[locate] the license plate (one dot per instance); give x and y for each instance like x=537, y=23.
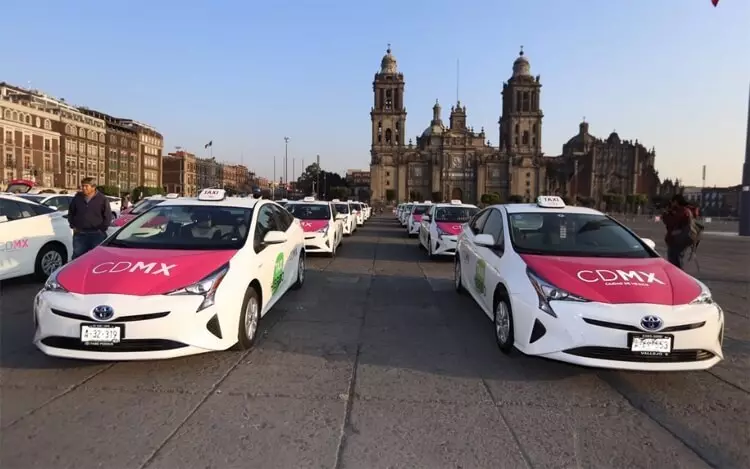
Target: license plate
x=651, y=344
x=101, y=334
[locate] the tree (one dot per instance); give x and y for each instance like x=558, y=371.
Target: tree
x=109, y=190
x=339, y=192
x=490, y=199
x=390, y=195
x=437, y=197
x=315, y=180
x=515, y=199
x=142, y=191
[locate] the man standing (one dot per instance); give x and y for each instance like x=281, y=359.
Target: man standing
x=680, y=225
x=89, y=215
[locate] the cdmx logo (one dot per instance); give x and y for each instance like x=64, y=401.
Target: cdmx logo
x=103, y=313
x=651, y=323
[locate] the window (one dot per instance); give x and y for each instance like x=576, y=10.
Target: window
x=388, y=136
x=342, y=208
x=494, y=227
x=47, y=124
x=27, y=141
x=420, y=209
x=284, y=218
x=10, y=209
x=309, y=211
x=454, y=214
x=477, y=223
x=47, y=145
x=574, y=234
x=525, y=137
x=266, y=222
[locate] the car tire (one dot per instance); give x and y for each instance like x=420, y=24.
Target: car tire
x=503, y=324
x=50, y=258
x=335, y=246
x=301, y=265
x=457, y=276
x=247, y=329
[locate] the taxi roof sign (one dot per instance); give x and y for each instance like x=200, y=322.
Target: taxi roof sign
x=308, y=199
x=456, y=202
x=212, y=194
x=173, y=195
x=336, y=200
x=550, y=201
x=427, y=202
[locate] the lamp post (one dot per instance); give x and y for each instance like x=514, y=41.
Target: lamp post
x=286, y=159
x=745, y=187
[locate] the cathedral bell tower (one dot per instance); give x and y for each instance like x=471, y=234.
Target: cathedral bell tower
x=388, y=119
x=521, y=122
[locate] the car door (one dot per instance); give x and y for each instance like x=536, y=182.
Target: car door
x=491, y=258
x=22, y=236
x=289, y=249
x=472, y=268
x=270, y=272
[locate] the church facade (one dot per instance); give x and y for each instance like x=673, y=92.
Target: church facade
x=454, y=161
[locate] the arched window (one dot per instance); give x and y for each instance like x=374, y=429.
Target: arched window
x=15, y=116
x=533, y=129
x=47, y=124
x=518, y=129
x=525, y=137
x=28, y=119
x=7, y=114
x=387, y=135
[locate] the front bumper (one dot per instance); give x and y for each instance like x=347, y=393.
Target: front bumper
x=599, y=335
x=318, y=242
x=413, y=229
x=444, y=245
x=153, y=327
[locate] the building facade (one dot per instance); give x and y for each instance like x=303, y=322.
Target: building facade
x=591, y=168
x=208, y=172
x=180, y=173
x=454, y=161
x=30, y=146
x=122, y=166
x=150, y=151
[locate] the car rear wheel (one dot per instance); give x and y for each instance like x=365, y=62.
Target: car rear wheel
x=249, y=320
x=457, y=276
x=300, y=272
x=503, y=322
x=50, y=258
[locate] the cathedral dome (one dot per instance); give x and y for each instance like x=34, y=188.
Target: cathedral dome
x=521, y=66
x=388, y=64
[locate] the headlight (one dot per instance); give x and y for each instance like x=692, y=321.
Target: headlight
x=440, y=232
x=547, y=292
x=704, y=298
x=323, y=230
x=52, y=284
x=206, y=287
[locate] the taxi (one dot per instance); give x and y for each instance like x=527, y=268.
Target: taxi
x=142, y=206
x=357, y=211
x=323, y=227
x=199, y=281
x=367, y=211
x=34, y=239
x=440, y=226
x=347, y=216
x=404, y=213
x=573, y=284
x=414, y=218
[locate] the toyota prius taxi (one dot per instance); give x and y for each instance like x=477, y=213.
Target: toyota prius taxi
x=572, y=284
x=199, y=281
x=440, y=226
x=324, y=230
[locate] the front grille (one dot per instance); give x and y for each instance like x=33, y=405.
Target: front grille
x=628, y=327
x=126, y=345
x=625, y=355
x=134, y=318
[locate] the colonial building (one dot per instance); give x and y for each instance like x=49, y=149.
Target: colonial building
x=454, y=161
x=122, y=164
x=590, y=168
x=180, y=173
x=209, y=172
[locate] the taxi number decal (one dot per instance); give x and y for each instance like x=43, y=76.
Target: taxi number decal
x=278, y=273
x=479, y=276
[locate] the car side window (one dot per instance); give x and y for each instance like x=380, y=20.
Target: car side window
x=10, y=209
x=26, y=210
x=334, y=213
x=494, y=226
x=284, y=218
x=41, y=209
x=477, y=223
x=62, y=203
x=265, y=222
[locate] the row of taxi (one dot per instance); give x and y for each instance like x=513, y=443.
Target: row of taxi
x=186, y=275
x=573, y=284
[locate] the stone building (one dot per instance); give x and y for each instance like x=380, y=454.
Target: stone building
x=590, y=168
x=180, y=175
x=455, y=161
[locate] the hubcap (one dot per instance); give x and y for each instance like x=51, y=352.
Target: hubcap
x=502, y=322
x=251, y=317
x=51, y=261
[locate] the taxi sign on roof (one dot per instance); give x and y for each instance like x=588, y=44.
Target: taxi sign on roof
x=173, y=195
x=456, y=202
x=427, y=202
x=550, y=201
x=336, y=200
x=212, y=194
x=308, y=199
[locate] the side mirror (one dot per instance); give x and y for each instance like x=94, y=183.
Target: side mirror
x=53, y=207
x=485, y=240
x=3, y=219
x=340, y=216
x=275, y=237
x=65, y=216
x=649, y=242
x=425, y=218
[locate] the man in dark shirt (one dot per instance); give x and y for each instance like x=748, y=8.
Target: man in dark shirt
x=677, y=219
x=89, y=215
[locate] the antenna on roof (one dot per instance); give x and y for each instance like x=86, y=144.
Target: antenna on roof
x=458, y=78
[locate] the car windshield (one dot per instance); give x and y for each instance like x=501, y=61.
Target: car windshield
x=455, y=214
x=33, y=198
x=408, y=208
x=197, y=227
x=573, y=234
x=342, y=208
x=310, y=211
x=144, y=205
x=420, y=209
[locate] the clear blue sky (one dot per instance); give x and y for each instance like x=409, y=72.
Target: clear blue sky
x=673, y=74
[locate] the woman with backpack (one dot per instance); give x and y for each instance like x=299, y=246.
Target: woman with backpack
x=683, y=230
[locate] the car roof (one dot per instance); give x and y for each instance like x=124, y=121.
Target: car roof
x=15, y=198
x=235, y=202
x=313, y=202
x=534, y=208
x=445, y=204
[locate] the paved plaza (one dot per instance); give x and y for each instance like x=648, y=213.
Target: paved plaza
x=378, y=363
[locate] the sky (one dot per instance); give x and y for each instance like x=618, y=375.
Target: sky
x=244, y=74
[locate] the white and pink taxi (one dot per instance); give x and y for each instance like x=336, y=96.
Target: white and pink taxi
x=414, y=218
x=324, y=228
x=440, y=226
x=572, y=284
x=198, y=281
x=345, y=212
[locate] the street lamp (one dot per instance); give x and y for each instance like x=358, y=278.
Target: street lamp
x=286, y=159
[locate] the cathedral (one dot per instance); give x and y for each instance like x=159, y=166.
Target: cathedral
x=454, y=161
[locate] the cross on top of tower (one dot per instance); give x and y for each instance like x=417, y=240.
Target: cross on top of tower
x=521, y=53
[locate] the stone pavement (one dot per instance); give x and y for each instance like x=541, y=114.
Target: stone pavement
x=377, y=363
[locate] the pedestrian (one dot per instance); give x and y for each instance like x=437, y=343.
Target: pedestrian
x=125, y=203
x=89, y=215
x=682, y=229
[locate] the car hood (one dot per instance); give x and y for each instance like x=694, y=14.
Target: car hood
x=313, y=225
x=139, y=272
x=616, y=280
x=450, y=228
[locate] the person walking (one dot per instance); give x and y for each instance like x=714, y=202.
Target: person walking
x=681, y=229
x=89, y=215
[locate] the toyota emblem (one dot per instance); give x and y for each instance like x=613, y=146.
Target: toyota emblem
x=103, y=313
x=651, y=323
